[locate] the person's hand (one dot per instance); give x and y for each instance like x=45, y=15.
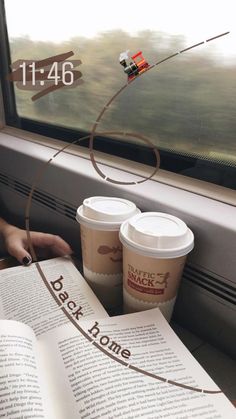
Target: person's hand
x=17, y=244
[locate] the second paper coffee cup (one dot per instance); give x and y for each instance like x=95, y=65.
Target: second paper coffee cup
x=155, y=246
x=100, y=218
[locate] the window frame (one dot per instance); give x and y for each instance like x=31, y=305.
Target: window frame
x=170, y=160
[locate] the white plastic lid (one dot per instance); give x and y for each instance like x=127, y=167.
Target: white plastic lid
x=105, y=213
x=158, y=235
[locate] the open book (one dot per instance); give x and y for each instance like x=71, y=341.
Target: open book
x=25, y=298
x=128, y=366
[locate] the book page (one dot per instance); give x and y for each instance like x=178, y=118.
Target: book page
x=21, y=390
x=25, y=298
x=95, y=385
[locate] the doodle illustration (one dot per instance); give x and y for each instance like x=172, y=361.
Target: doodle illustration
x=133, y=72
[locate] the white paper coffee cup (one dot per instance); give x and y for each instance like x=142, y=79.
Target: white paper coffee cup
x=155, y=246
x=100, y=218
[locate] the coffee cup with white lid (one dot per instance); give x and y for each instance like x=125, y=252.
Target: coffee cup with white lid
x=100, y=218
x=155, y=247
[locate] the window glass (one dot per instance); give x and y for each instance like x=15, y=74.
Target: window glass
x=185, y=104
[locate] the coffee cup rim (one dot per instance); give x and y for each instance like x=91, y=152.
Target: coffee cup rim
x=152, y=252
x=98, y=224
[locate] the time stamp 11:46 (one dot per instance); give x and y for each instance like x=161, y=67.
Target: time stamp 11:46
x=57, y=73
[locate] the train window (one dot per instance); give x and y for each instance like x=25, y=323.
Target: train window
x=137, y=72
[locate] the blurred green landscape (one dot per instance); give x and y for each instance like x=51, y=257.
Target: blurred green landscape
x=186, y=104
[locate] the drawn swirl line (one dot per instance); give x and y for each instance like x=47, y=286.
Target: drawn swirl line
x=120, y=361
x=38, y=177
x=104, y=109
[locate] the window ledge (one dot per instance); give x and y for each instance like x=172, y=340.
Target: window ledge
x=199, y=187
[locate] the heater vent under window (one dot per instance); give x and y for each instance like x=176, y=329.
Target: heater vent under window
x=206, y=280
x=39, y=197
